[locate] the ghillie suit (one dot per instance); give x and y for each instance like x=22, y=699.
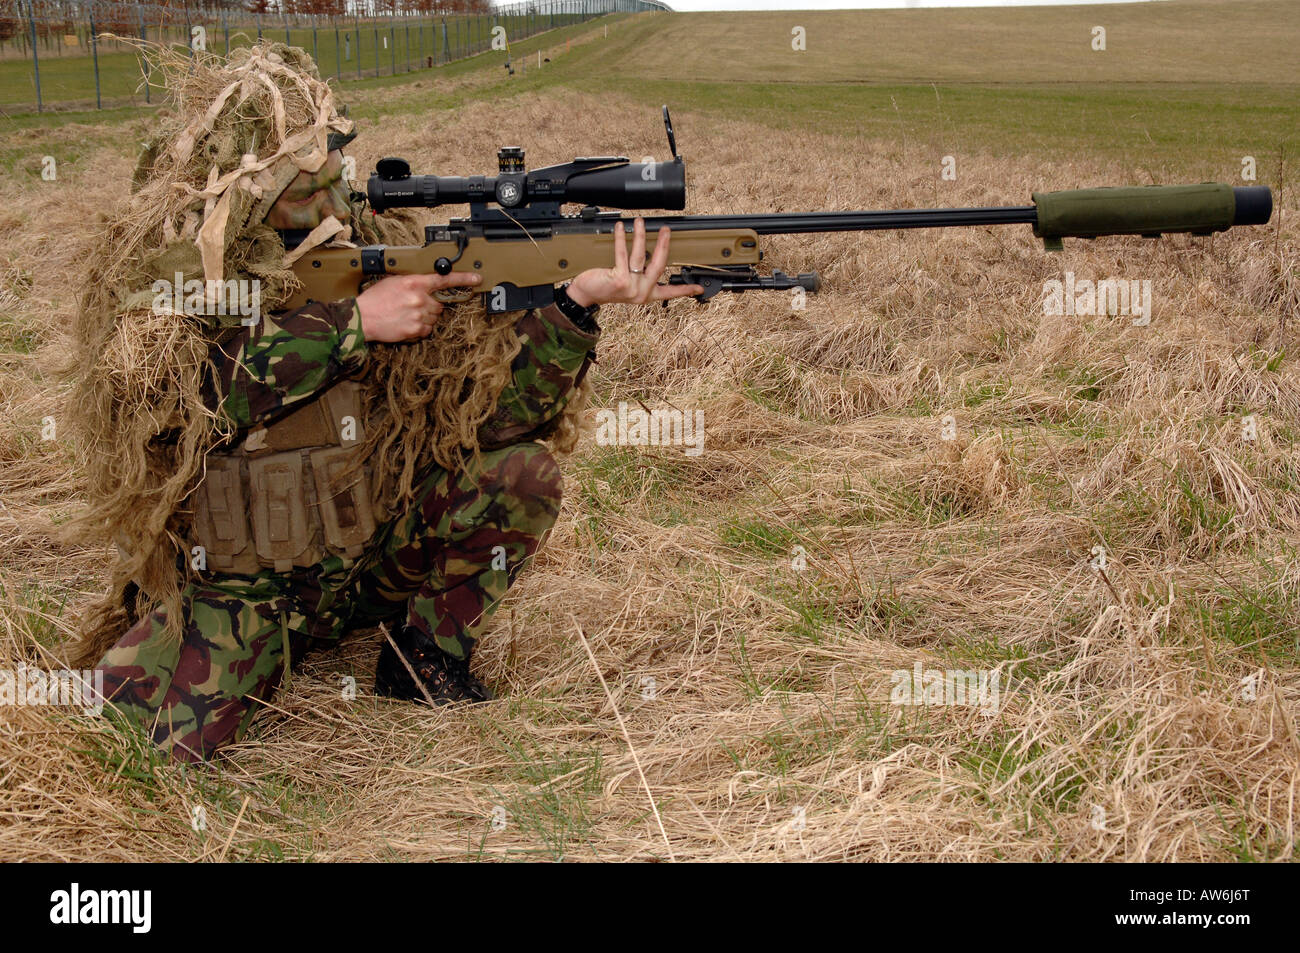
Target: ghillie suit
x=156, y=394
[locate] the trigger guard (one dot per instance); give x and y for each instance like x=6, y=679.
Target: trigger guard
x=453, y=296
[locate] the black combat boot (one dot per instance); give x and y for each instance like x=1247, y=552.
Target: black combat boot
x=446, y=678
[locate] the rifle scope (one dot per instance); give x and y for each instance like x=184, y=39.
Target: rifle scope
x=611, y=181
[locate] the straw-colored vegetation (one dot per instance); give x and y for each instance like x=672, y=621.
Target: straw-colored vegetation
x=1147, y=710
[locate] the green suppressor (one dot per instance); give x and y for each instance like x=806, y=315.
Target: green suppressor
x=1149, y=210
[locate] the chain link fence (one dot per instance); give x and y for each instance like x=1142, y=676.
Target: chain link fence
x=72, y=55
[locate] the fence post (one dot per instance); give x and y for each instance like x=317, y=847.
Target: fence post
x=94, y=53
x=446, y=50
x=392, y=49
x=357, y=25
x=36, y=59
x=315, y=53
x=144, y=61
x=407, y=28
x=338, y=54
x=225, y=29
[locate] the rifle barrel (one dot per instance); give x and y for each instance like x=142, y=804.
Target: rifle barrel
x=789, y=223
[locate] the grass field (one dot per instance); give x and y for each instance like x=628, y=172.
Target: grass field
x=352, y=51
x=1148, y=708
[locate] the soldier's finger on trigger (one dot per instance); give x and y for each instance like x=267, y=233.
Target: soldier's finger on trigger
x=421, y=285
x=450, y=280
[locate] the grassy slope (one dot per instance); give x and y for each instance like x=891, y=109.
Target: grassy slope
x=1188, y=87
x=822, y=433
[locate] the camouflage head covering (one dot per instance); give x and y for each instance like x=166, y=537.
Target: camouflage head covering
x=245, y=128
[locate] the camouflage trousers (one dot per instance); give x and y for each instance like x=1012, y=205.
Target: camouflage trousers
x=442, y=567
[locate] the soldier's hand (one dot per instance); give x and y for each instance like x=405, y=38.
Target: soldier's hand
x=632, y=280
x=402, y=307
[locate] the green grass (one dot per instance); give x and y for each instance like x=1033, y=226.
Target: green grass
x=1251, y=844
x=977, y=394
x=997, y=757
x=17, y=337
x=38, y=606
x=990, y=653
x=553, y=798
x=883, y=728
x=1085, y=382
x=1262, y=619
x=759, y=537
x=1199, y=512
x=814, y=610
x=617, y=479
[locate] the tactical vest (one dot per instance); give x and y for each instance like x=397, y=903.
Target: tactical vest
x=284, y=497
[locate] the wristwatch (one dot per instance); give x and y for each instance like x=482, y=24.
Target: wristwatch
x=584, y=318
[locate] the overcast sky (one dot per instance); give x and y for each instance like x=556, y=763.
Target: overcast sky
x=687, y=5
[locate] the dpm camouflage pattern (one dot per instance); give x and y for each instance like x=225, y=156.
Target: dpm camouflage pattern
x=297, y=355
x=443, y=566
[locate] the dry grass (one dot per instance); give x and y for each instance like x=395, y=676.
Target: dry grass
x=1124, y=731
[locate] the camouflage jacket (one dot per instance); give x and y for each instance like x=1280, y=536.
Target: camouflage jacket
x=302, y=352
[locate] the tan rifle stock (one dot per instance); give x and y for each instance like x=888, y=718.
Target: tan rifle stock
x=332, y=274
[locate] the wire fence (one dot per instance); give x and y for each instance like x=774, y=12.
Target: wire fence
x=63, y=55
